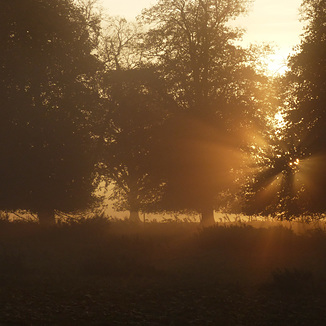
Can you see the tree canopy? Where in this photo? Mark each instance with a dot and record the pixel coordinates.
(137, 105)
(47, 99)
(171, 111)
(215, 85)
(195, 49)
(292, 182)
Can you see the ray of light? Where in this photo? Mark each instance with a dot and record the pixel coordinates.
(267, 193)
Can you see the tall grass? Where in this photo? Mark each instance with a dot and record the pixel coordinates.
(101, 246)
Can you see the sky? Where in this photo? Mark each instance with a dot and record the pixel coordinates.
(276, 22)
(272, 21)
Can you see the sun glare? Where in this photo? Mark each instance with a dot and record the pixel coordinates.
(276, 64)
(279, 121)
(294, 163)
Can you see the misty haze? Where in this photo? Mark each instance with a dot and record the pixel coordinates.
(162, 170)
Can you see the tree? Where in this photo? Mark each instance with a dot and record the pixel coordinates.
(307, 79)
(137, 105)
(197, 163)
(306, 109)
(47, 98)
(195, 47)
(214, 83)
(272, 188)
(293, 182)
(119, 47)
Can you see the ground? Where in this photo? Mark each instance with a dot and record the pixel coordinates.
(116, 273)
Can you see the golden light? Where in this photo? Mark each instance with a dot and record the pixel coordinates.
(276, 64)
(279, 121)
(268, 192)
(294, 163)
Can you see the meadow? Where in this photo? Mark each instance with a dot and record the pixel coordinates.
(111, 272)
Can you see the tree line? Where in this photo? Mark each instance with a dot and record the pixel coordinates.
(169, 111)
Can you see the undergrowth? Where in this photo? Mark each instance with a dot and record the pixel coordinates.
(227, 274)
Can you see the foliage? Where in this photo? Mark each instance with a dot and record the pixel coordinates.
(119, 46)
(177, 119)
(306, 105)
(307, 82)
(272, 187)
(216, 87)
(196, 162)
(195, 50)
(47, 100)
(289, 179)
(137, 106)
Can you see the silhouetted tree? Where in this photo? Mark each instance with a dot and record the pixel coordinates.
(197, 163)
(119, 48)
(292, 181)
(272, 188)
(137, 102)
(137, 106)
(306, 109)
(213, 82)
(307, 80)
(47, 98)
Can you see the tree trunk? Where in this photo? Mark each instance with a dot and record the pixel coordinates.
(46, 217)
(134, 216)
(207, 217)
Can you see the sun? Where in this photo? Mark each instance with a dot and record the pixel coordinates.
(276, 64)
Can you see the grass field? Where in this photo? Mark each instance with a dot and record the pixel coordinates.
(99, 272)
